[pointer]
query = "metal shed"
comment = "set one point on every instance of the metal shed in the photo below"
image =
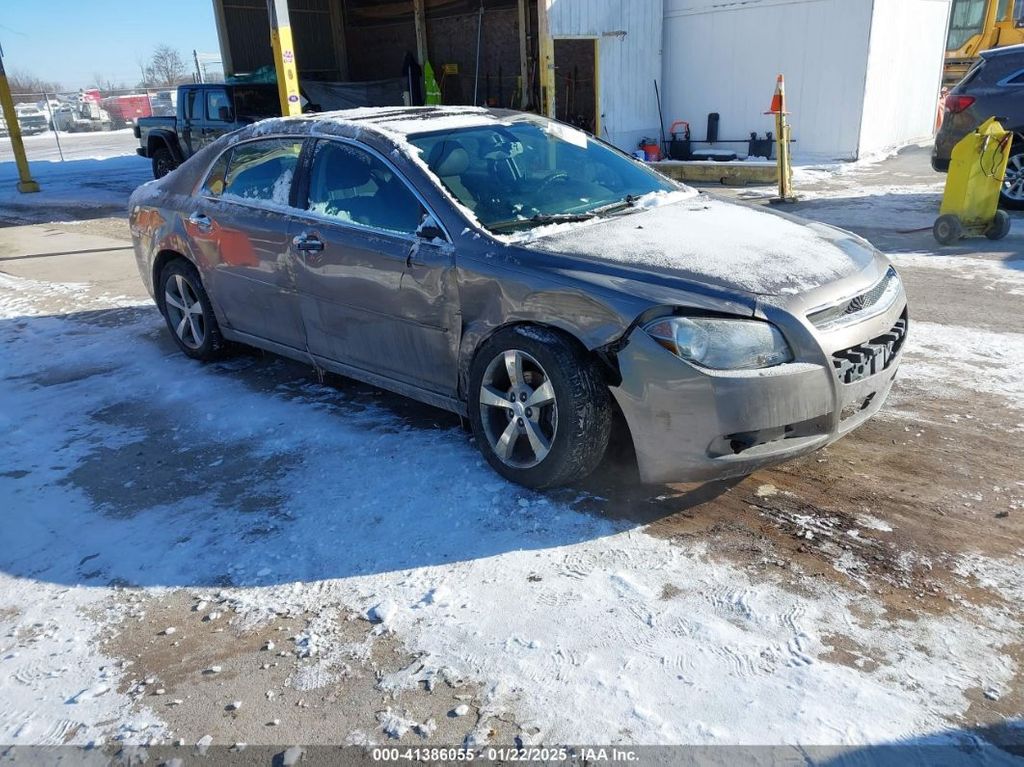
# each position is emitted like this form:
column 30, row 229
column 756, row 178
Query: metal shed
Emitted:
column 626, row 41
column 862, row 76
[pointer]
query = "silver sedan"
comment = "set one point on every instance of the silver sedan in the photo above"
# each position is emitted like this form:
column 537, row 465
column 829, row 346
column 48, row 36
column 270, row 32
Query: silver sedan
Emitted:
column 522, row 273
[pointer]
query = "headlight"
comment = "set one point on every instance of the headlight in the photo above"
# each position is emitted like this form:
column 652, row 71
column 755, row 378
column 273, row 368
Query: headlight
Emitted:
column 721, row 344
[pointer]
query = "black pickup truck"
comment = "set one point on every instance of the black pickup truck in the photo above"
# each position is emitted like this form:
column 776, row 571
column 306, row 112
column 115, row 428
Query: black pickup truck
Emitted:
column 205, row 113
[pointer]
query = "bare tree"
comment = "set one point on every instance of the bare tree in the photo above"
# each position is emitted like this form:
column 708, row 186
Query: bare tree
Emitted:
column 107, row 85
column 25, row 83
column 165, row 68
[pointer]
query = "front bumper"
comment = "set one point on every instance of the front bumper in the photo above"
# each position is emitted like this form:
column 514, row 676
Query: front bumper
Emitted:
column 692, row 425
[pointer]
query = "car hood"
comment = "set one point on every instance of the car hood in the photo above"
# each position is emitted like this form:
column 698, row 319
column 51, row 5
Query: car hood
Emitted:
column 715, row 243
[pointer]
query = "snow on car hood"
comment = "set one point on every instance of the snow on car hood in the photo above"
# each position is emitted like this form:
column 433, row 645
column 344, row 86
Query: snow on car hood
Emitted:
column 715, row 243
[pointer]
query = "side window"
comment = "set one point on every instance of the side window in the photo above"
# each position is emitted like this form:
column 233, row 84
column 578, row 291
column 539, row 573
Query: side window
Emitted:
column 192, row 105
column 354, row 186
column 218, row 106
column 214, row 184
column 261, row 170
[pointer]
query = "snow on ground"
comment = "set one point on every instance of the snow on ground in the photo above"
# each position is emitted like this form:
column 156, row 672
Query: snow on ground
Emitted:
column 949, row 359
column 1005, row 276
column 73, row 189
column 98, row 174
column 588, row 628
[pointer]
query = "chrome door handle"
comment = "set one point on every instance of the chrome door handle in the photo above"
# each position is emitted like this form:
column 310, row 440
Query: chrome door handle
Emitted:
column 201, row 222
column 307, row 243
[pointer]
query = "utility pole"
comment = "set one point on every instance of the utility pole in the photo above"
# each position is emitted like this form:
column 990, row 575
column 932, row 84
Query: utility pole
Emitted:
column 284, row 58
column 26, row 183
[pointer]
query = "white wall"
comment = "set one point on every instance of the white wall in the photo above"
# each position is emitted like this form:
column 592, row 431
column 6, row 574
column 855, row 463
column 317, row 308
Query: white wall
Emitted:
column 628, row 63
column 723, row 56
column 904, row 73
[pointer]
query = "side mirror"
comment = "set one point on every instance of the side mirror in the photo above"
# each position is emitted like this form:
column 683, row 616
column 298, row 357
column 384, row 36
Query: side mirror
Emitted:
column 224, row 114
column 429, row 229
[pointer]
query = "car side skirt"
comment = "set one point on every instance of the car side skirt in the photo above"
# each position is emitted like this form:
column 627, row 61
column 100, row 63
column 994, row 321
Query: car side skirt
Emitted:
column 417, row 393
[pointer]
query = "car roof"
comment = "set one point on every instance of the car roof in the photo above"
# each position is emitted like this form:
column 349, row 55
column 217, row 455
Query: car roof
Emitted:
column 1009, row 50
column 400, row 122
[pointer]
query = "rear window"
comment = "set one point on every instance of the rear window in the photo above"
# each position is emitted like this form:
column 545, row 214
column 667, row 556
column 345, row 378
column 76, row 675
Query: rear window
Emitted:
column 259, row 171
column 256, row 102
column 972, row 73
column 1014, row 79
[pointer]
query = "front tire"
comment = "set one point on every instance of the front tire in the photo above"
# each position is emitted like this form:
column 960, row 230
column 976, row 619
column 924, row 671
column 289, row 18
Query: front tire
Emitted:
column 539, row 407
column 187, row 310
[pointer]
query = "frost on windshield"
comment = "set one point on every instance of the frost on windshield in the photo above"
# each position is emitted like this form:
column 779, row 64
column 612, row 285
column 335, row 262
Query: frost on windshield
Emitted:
column 528, row 173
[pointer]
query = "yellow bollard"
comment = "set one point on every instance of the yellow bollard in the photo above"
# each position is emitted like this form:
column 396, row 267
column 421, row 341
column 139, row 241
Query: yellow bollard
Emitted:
column 284, row 58
column 970, row 202
column 783, row 139
column 26, row 183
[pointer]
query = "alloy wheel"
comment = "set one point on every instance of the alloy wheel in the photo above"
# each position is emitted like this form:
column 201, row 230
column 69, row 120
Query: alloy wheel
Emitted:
column 518, row 409
column 1013, row 185
column 185, row 311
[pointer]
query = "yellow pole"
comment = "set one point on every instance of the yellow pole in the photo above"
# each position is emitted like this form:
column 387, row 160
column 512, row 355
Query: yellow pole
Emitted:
column 783, row 139
column 284, row 58
column 26, row 183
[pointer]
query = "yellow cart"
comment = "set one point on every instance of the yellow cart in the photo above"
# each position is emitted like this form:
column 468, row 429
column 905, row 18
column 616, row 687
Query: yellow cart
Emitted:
column 970, row 204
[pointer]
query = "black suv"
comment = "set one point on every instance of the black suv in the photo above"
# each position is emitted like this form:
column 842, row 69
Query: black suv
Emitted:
column 994, row 87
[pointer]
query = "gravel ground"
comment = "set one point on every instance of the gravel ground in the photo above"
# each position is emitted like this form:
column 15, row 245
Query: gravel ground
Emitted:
column 911, row 528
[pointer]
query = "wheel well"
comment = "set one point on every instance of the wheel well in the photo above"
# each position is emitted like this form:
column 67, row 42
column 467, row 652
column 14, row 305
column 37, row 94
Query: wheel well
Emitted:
column 159, row 141
column 622, row 450
column 163, row 258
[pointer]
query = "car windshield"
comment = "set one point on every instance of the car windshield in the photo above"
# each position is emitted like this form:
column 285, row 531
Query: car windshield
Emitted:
column 533, row 171
column 965, row 21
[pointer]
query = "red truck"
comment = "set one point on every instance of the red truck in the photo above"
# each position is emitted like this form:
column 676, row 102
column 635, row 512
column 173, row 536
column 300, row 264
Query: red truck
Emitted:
column 125, row 110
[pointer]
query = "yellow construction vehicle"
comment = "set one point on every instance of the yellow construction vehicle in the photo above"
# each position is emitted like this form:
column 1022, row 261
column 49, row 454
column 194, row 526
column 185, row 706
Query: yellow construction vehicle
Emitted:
column 976, row 26
column 976, row 173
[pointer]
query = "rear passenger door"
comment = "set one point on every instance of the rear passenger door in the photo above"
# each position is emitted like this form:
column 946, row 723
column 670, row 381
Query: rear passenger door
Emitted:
column 239, row 228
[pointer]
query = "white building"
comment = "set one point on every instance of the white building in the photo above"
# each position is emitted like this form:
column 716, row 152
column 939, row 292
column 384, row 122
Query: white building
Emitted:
column 862, row 76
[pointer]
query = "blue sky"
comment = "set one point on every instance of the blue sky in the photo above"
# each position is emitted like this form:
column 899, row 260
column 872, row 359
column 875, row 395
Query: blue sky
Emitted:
column 70, row 40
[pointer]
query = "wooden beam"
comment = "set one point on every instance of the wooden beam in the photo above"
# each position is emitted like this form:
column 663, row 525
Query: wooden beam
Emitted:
column 546, row 47
column 421, row 31
column 338, row 35
column 524, row 56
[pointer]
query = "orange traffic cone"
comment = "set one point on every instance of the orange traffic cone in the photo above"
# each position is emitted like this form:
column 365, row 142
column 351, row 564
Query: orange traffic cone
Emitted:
column 778, row 106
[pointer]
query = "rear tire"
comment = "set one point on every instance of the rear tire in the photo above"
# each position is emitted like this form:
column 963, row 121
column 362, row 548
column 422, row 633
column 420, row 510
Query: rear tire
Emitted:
column 163, row 162
column 1000, row 226
column 540, row 410
column 186, row 308
column 948, row 230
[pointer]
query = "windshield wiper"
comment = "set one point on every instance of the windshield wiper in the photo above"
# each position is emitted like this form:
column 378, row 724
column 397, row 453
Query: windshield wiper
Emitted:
column 543, row 218
column 628, row 201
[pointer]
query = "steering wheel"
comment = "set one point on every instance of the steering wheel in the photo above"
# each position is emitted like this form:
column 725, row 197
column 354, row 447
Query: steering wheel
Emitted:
column 555, row 178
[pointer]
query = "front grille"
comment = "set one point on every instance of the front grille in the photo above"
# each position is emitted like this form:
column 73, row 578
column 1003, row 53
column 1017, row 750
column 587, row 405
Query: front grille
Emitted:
column 855, row 305
column 871, row 357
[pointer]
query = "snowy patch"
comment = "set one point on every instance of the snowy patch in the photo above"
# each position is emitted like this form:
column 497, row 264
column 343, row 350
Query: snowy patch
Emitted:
column 947, row 359
column 558, row 615
column 719, row 242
